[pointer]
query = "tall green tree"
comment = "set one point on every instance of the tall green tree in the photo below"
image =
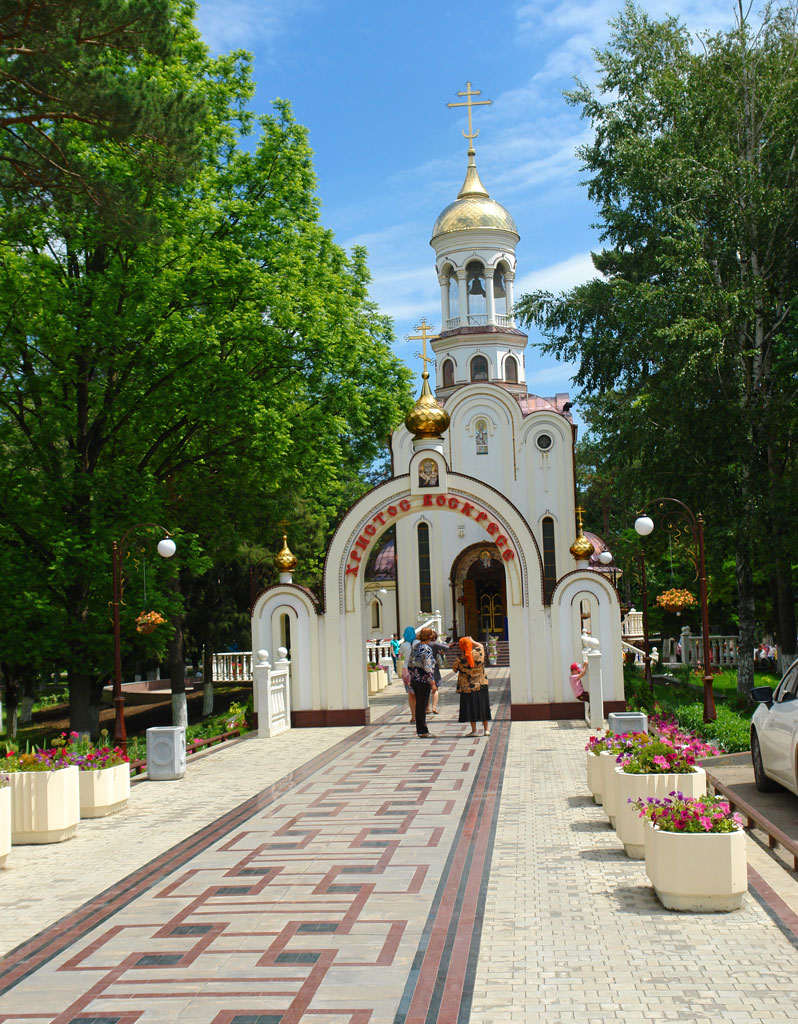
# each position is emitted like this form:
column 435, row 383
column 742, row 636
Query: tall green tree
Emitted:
column 686, row 342
column 222, row 358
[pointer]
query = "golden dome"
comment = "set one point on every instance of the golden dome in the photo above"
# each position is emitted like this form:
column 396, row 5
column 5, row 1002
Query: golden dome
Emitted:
column 285, row 561
column 581, row 547
column 427, row 418
column 473, row 207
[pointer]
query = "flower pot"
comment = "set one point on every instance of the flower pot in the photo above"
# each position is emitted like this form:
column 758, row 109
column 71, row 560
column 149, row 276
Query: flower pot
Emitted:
column 45, row 806
column 631, row 828
column 701, row 873
column 5, row 823
column 378, row 680
column 609, row 785
column 594, row 775
column 104, row 791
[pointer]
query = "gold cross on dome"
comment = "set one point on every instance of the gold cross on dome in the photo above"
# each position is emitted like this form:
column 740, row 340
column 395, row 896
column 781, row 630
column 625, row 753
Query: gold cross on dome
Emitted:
column 579, row 513
column 425, row 329
column 469, row 102
column 284, row 524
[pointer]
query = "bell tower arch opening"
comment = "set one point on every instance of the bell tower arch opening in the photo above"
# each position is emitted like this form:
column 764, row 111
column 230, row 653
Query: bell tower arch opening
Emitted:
column 479, row 587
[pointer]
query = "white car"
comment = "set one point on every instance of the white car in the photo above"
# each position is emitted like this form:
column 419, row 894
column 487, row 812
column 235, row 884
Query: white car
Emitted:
column 774, row 733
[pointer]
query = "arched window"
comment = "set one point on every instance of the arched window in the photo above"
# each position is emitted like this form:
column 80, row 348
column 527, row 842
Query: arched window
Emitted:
column 286, row 631
column 375, row 614
column 479, row 368
column 424, row 574
column 475, row 288
column 511, row 370
column 549, row 563
column 500, row 288
column 454, row 293
column 447, row 373
column 481, row 436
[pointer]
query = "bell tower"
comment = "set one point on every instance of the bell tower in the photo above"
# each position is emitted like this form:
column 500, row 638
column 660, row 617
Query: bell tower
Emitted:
column 474, row 240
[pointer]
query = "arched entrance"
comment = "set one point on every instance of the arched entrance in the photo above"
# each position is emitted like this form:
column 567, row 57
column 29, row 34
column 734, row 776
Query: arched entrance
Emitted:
column 479, row 589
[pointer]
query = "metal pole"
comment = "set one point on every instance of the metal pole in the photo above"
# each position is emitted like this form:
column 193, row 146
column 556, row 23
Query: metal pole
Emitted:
column 120, row 734
column 647, row 659
column 710, row 714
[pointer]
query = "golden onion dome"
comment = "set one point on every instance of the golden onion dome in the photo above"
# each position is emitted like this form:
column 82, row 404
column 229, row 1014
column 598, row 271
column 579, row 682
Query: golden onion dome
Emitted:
column 427, row 418
column 581, row 548
column 285, row 561
column 473, row 208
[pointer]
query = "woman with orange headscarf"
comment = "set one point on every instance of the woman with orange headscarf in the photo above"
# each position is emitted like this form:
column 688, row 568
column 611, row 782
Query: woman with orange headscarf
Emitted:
column 472, row 685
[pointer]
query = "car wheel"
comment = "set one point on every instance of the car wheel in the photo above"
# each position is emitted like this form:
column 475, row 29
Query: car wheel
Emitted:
column 762, row 782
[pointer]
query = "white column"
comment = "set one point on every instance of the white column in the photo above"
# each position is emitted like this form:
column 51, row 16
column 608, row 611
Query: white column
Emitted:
column 491, row 300
column 445, row 314
column 463, row 297
column 509, row 277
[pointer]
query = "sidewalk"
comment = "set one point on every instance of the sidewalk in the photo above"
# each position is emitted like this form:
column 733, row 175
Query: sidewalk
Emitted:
column 362, row 876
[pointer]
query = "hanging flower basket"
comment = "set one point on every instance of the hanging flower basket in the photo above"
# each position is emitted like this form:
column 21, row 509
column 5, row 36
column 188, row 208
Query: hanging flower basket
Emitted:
column 148, row 622
column 677, row 601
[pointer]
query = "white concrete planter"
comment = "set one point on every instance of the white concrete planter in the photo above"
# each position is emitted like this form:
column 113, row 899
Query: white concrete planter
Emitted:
column 701, row 873
column 45, row 806
column 104, row 791
column 594, row 783
column 609, row 785
column 378, row 680
column 631, row 828
column 5, row 823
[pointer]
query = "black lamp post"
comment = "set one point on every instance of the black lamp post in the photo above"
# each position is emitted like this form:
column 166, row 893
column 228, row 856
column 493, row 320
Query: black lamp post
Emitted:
column 166, row 548
column 644, row 525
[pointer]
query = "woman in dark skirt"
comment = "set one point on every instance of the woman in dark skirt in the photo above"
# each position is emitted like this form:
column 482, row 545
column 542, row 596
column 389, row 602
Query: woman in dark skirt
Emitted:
column 472, row 685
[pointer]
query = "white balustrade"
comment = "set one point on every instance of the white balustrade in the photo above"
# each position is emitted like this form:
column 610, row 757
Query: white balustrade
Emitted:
column 504, row 321
column 273, row 693
column 477, row 319
column 232, row 667
column 433, row 621
column 452, row 322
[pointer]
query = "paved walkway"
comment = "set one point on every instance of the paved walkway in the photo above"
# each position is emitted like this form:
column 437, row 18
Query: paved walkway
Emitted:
column 362, row 876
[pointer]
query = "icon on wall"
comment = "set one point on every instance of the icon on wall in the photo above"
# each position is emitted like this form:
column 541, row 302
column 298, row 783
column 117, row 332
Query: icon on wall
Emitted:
column 428, row 473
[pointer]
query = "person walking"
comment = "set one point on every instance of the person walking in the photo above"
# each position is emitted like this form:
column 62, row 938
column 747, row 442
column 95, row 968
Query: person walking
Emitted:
column 422, row 679
column 395, row 645
column 405, row 650
column 472, row 685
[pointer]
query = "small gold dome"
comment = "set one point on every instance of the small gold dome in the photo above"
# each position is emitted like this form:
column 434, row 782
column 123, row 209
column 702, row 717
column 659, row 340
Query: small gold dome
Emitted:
column 285, row 561
column 473, row 207
column 427, row 418
column 581, row 548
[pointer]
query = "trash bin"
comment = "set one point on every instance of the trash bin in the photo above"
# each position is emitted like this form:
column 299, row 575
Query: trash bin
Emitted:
column 166, row 753
column 627, row 721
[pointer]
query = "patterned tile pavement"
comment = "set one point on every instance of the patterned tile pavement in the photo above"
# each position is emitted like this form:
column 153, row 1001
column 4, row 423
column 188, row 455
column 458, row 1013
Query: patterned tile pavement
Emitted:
column 363, row 876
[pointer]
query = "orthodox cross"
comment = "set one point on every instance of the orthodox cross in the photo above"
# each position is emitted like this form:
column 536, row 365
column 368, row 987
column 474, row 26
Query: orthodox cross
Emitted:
column 579, row 513
column 425, row 329
column 469, row 102
column 284, row 524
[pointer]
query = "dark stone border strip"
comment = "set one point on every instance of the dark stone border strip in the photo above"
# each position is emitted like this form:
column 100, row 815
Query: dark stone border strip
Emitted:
column 773, row 905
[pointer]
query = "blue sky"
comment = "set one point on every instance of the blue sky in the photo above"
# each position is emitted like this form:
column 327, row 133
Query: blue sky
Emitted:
column 371, row 82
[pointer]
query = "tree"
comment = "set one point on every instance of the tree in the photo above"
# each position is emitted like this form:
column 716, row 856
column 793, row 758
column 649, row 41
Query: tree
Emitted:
column 222, row 359
column 686, row 342
column 79, row 78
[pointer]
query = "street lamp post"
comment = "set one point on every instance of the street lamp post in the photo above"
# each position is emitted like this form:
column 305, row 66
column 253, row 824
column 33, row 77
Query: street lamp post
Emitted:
column 644, row 525
column 166, row 548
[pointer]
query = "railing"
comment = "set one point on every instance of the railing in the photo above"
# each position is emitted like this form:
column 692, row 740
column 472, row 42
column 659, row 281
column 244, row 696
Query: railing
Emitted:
column 433, row 621
column 479, row 320
column 504, row 321
column 640, row 654
column 272, row 693
column 723, row 650
column 232, row 667
column 139, row 766
column 754, row 817
column 452, row 322
column 632, row 623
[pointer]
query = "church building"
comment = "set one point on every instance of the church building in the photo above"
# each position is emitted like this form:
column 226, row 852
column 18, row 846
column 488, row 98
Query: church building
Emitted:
column 479, row 513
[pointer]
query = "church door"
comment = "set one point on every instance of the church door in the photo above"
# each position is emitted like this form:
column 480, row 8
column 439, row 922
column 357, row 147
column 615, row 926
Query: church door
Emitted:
column 470, row 600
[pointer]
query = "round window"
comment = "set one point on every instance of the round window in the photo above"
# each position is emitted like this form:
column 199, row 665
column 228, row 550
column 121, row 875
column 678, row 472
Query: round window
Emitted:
column 543, row 441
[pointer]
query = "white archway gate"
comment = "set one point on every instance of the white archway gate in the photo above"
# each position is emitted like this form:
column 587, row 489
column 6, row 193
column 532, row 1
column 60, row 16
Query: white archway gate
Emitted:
column 330, row 686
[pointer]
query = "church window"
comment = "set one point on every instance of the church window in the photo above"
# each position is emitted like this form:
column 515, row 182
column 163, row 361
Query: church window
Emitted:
column 286, row 632
column 481, row 435
column 375, row 614
column 544, row 442
column 479, row 368
column 549, row 562
column 500, row 288
column 475, row 289
column 447, row 372
column 424, row 574
column 511, row 370
column 454, row 294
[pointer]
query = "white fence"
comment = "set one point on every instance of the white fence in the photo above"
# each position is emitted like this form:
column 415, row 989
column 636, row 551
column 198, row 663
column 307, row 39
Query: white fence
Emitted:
column 723, row 650
column 272, row 693
column 232, row 667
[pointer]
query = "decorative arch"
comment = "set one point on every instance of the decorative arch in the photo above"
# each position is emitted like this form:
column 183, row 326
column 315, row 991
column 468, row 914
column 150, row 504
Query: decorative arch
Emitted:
column 447, row 373
column 479, row 368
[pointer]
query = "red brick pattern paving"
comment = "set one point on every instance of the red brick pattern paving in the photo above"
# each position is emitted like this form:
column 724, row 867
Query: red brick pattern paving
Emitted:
column 348, row 894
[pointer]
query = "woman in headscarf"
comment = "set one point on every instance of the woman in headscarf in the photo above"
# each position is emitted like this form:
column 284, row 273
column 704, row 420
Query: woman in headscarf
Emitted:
column 405, row 649
column 422, row 678
column 472, row 685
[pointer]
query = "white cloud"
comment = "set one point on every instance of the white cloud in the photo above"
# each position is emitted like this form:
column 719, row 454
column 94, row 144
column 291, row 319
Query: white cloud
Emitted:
column 241, row 24
column 559, row 277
